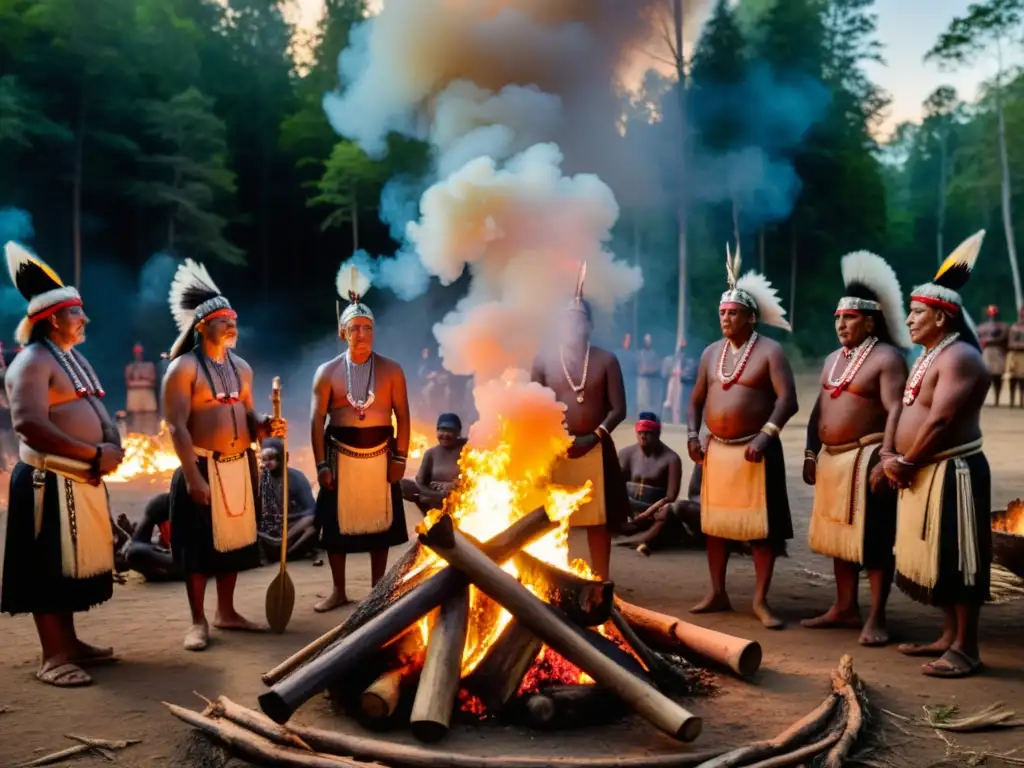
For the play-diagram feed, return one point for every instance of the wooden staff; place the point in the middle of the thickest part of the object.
(281, 592)
(287, 695)
(442, 670)
(553, 629)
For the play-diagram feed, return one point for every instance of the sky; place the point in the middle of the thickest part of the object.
(906, 28)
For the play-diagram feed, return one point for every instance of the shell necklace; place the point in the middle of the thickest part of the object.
(82, 379)
(577, 388)
(364, 373)
(855, 359)
(729, 379)
(924, 362)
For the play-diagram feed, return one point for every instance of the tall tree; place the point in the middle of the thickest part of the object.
(986, 25)
(189, 175)
(940, 110)
(351, 185)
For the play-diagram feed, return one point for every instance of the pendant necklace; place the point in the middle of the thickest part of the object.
(362, 377)
(855, 358)
(924, 362)
(577, 388)
(729, 379)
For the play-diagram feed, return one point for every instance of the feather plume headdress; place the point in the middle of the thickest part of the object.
(352, 285)
(193, 298)
(943, 291)
(42, 288)
(872, 286)
(578, 303)
(753, 292)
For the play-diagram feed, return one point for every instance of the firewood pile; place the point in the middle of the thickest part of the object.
(449, 633)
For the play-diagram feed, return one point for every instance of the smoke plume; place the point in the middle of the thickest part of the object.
(508, 93)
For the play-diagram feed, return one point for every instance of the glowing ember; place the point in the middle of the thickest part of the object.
(550, 667)
(146, 455)
(1012, 520)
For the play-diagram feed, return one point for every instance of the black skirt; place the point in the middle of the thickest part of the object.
(192, 530)
(33, 579)
(950, 588)
(331, 538)
(880, 523)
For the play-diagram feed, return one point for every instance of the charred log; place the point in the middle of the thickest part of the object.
(572, 706)
(442, 670)
(496, 679)
(586, 603)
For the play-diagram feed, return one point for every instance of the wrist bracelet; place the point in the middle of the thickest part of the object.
(904, 462)
(693, 435)
(602, 428)
(397, 458)
(323, 466)
(771, 430)
(809, 454)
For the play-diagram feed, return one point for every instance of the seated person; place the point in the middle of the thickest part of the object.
(301, 505)
(152, 559)
(440, 466)
(653, 473)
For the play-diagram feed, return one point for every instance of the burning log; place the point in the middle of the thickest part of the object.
(499, 675)
(573, 706)
(380, 700)
(442, 670)
(738, 654)
(554, 630)
(671, 677)
(500, 547)
(586, 603)
(287, 695)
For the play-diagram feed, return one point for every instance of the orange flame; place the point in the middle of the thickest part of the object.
(146, 455)
(1012, 520)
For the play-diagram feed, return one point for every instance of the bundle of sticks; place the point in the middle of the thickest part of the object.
(382, 668)
(827, 735)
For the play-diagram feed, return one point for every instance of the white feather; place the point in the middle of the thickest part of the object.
(16, 256)
(874, 273)
(190, 274)
(351, 280)
(769, 309)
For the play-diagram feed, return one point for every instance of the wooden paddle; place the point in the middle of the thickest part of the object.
(281, 592)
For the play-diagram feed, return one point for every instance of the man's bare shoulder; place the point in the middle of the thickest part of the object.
(180, 367)
(890, 355)
(626, 454)
(673, 456)
(963, 357)
(388, 365)
(326, 369)
(602, 355)
(241, 364)
(832, 357)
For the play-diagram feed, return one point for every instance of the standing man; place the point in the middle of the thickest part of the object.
(207, 398)
(746, 394)
(994, 337)
(648, 373)
(854, 421)
(59, 557)
(140, 395)
(588, 380)
(439, 468)
(943, 534)
(1015, 359)
(360, 460)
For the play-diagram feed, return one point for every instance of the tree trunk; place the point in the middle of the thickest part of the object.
(736, 224)
(355, 220)
(792, 272)
(940, 215)
(760, 248)
(76, 192)
(636, 262)
(1004, 162)
(684, 293)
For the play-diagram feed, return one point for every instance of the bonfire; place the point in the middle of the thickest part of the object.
(150, 456)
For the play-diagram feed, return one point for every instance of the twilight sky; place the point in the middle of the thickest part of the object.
(907, 29)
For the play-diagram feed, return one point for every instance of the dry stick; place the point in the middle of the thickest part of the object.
(800, 755)
(56, 757)
(87, 745)
(844, 682)
(442, 669)
(500, 547)
(254, 721)
(558, 633)
(255, 747)
(797, 733)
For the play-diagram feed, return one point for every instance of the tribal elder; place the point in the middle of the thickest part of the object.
(301, 505)
(1015, 361)
(143, 412)
(853, 422)
(208, 405)
(746, 394)
(439, 468)
(943, 534)
(59, 556)
(360, 459)
(588, 380)
(994, 338)
(654, 475)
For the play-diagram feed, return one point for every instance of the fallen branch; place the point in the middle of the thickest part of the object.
(98, 746)
(993, 716)
(254, 721)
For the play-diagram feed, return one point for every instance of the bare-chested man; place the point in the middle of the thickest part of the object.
(439, 468)
(588, 380)
(854, 419)
(994, 337)
(143, 412)
(1015, 361)
(208, 403)
(746, 394)
(654, 475)
(943, 534)
(360, 460)
(59, 557)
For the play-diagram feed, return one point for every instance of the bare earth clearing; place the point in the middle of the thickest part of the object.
(146, 623)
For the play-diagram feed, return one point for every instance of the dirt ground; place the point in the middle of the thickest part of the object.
(146, 624)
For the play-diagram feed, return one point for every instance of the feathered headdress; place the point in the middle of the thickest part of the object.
(578, 302)
(352, 285)
(752, 292)
(194, 297)
(42, 288)
(872, 286)
(943, 291)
